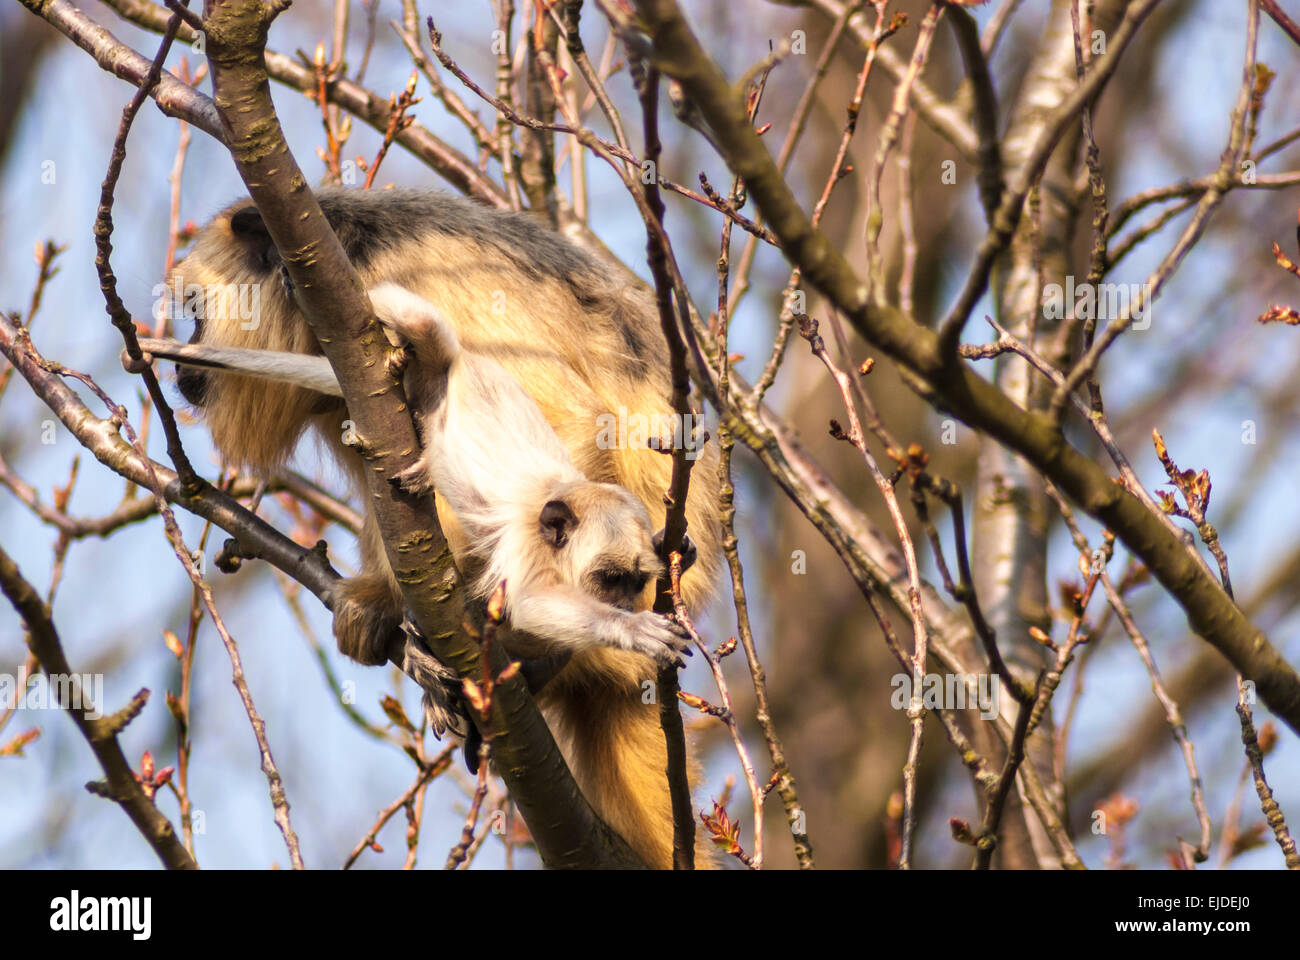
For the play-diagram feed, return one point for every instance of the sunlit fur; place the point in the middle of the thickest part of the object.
(580, 345)
(577, 557)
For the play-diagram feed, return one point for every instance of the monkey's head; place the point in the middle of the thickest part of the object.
(600, 536)
(232, 288)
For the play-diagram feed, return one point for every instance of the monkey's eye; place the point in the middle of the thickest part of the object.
(611, 579)
(639, 581)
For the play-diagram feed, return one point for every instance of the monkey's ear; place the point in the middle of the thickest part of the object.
(555, 522)
(250, 229)
(248, 223)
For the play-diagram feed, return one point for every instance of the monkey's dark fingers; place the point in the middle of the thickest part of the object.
(422, 658)
(442, 716)
(688, 550)
(667, 656)
(682, 633)
(473, 741)
(689, 553)
(659, 638)
(415, 479)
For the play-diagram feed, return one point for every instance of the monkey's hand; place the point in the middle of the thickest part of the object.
(664, 641)
(367, 609)
(569, 618)
(688, 551)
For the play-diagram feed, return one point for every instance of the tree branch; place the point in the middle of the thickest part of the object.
(948, 384)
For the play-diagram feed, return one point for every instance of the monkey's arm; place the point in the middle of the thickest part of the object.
(574, 620)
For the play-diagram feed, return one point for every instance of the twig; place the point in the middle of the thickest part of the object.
(916, 708)
(179, 100)
(944, 117)
(1172, 714)
(398, 121)
(783, 778)
(483, 137)
(578, 53)
(1011, 206)
(1272, 812)
(46, 254)
(785, 323)
(725, 713)
(984, 112)
(428, 770)
(100, 731)
(674, 529)
(1289, 26)
(584, 136)
(371, 7)
(1249, 101)
(103, 231)
(906, 219)
(1097, 185)
(793, 136)
(1195, 488)
(479, 697)
(888, 138)
(997, 25)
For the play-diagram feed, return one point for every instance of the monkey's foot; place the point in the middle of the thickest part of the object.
(415, 479)
(443, 705)
(367, 609)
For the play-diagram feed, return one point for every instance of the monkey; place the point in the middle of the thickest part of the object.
(582, 346)
(576, 557)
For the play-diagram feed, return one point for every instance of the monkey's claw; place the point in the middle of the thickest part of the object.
(415, 479)
(663, 640)
(443, 706)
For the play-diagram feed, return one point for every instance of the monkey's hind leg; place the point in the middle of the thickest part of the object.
(419, 323)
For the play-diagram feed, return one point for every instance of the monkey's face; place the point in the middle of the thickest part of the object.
(601, 536)
(232, 289)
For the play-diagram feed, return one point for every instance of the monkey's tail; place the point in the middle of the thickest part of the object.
(314, 373)
(615, 748)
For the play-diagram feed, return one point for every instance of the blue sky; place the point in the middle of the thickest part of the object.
(337, 778)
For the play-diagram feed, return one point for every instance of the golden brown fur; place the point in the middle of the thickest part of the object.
(579, 346)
